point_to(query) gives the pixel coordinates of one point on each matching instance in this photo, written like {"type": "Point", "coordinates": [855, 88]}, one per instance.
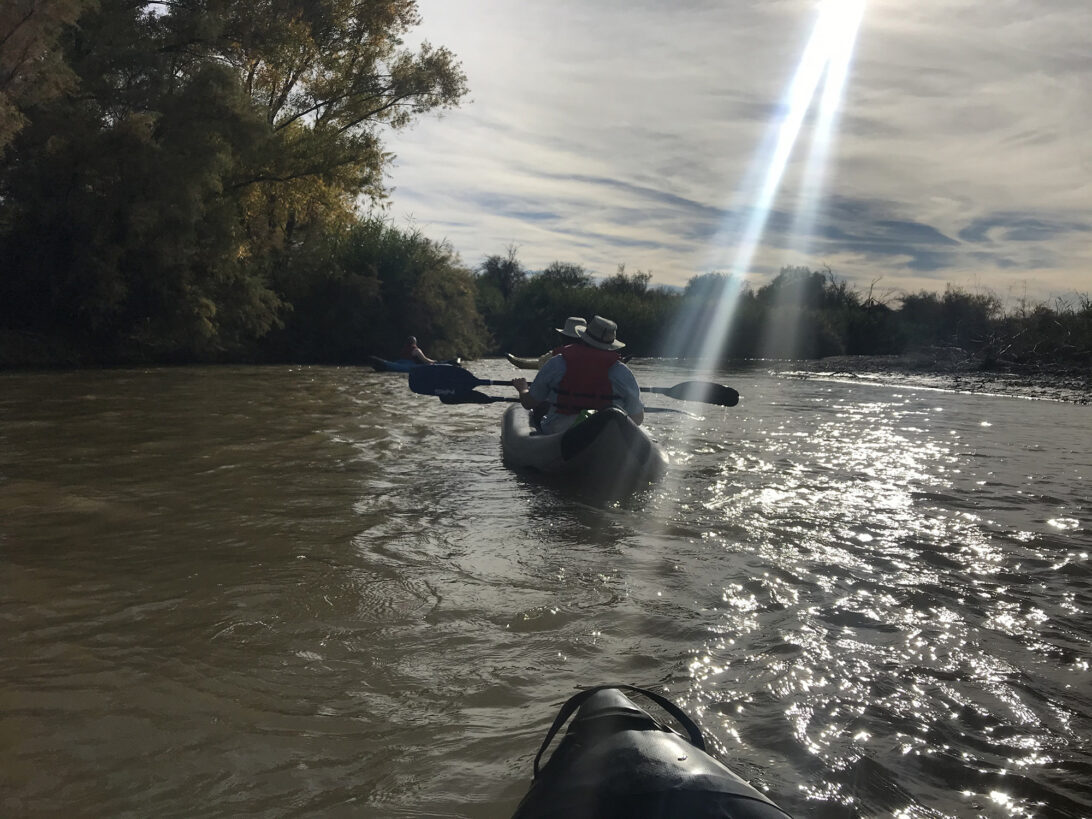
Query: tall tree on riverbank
{"type": "Point", "coordinates": [199, 148]}
{"type": "Point", "coordinates": [32, 69]}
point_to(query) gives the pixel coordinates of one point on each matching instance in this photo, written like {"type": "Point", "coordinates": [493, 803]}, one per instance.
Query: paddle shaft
{"type": "Point", "coordinates": [444, 380]}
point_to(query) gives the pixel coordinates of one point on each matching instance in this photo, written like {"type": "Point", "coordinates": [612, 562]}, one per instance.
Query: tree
{"type": "Point", "coordinates": [566, 274]}
{"type": "Point", "coordinates": [505, 273]}
{"type": "Point", "coordinates": [376, 285]}
{"type": "Point", "coordinates": [202, 147]}
{"type": "Point", "coordinates": [31, 66]}
{"type": "Point", "coordinates": [968, 317]}
{"type": "Point", "coordinates": [636, 284]}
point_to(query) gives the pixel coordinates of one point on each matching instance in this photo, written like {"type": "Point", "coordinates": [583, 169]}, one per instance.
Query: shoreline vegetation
{"type": "Point", "coordinates": [950, 370]}
{"type": "Point", "coordinates": [803, 324]}
{"type": "Point", "coordinates": [194, 184]}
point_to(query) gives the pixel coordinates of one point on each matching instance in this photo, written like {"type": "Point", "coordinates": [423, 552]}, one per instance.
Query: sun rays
{"type": "Point", "coordinates": [816, 86]}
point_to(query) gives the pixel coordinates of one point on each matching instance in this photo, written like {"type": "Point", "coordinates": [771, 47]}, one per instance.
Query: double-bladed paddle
{"type": "Point", "coordinates": [705, 391]}
{"type": "Point", "coordinates": [473, 397]}
{"type": "Point", "coordinates": [451, 384]}
{"type": "Point", "coordinates": [444, 380]}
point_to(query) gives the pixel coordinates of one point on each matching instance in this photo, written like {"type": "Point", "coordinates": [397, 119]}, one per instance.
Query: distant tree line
{"type": "Point", "coordinates": [192, 182]}
{"type": "Point", "coordinates": [800, 314]}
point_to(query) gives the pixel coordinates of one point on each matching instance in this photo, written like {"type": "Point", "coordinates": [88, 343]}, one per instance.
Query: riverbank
{"type": "Point", "coordinates": [948, 369]}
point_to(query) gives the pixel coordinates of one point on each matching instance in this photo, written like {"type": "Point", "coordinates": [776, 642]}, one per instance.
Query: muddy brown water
{"type": "Point", "coordinates": [306, 591]}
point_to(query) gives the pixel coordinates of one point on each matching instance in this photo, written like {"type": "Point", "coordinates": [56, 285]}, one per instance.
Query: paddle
{"type": "Point", "coordinates": [704, 391]}
{"type": "Point", "coordinates": [443, 380]}
{"type": "Point", "coordinates": [473, 397]}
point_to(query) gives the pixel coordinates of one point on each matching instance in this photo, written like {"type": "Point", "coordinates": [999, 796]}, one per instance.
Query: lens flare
{"type": "Point", "coordinates": [825, 61]}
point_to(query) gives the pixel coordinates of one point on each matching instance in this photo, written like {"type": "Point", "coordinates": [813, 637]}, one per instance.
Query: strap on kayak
{"type": "Point", "coordinates": [693, 731]}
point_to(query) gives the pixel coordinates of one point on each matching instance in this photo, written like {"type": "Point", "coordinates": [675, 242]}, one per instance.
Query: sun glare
{"type": "Point", "coordinates": [825, 60]}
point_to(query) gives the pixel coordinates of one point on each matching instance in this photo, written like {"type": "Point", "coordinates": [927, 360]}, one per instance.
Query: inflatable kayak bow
{"type": "Point", "coordinates": [617, 762]}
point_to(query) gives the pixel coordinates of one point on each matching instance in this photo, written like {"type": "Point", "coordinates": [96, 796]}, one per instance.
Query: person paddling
{"type": "Point", "coordinates": [411, 352]}
{"type": "Point", "coordinates": [568, 334]}
{"type": "Point", "coordinates": [587, 375]}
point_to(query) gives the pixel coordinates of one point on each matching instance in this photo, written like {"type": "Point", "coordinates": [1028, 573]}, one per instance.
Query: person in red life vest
{"type": "Point", "coordinates": [586, 375]}
{"type": "Point", "coordinates": [411, 352]}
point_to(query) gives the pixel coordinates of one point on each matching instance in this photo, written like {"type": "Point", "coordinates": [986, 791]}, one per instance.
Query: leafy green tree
{"type": "Point", "coordinates": [32, 69]}
{"type": "Point", "coordinates": [505, 273]}
{"type": "Point", "coordinates": [498, 279]}
{"type": "Point", "coordinates": [566, 274]}
{"type": "Point", "coordinates": [148, 206]}
{"type": "Point", "coordinates": [635, 284]}
{"type": "Point", "coordinates": [375, 285]}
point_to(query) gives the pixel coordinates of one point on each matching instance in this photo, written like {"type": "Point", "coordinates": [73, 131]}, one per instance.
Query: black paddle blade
{"type": "Point", "coordinates": [442, 379]}
{"type": "Point", "coordinates": [473, 397]}
{"type": "Point", "coordinates": [704, 391]}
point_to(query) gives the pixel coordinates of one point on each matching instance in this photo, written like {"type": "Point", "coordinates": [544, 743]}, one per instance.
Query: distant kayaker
{"type": "Point", "coordinates": [568, 334]}
{"type": "Point", "coordinates": [586, 375]}
{"type": "Point", "coordinates": [411, 352]}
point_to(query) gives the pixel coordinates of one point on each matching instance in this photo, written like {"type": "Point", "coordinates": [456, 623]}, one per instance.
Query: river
{"type": "Point", "coordinates": [306, 591]}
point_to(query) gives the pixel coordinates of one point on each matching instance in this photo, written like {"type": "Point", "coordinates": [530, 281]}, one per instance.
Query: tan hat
{"type": "Point", "coordinates": [573, 324]}
{"type": "Point", "coordinates": [601, 333]}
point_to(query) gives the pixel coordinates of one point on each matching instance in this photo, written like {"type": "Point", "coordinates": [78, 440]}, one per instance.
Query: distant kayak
{"type": "Point", "coordinates": [536, 363]}
{"type": "Point", "coordinates": [617, 762]}
{"type": "Point", "coordinates": [606, 453]}
{"type": "Point", "coordinates": [529, 363]}
{"type": "Point", "coordinates": [404, 365]}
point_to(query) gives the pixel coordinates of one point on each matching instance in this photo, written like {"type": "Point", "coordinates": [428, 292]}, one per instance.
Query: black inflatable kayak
{"type": "Point", "coordinates": [617, 762]}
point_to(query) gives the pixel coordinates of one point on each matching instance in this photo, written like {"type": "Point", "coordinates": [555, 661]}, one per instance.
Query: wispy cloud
{"type": "Point", "coordinates": [609, 132]}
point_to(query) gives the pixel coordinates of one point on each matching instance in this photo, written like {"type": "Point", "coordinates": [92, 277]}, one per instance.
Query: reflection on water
{"type": "Point", "coordinates": [305, 590]}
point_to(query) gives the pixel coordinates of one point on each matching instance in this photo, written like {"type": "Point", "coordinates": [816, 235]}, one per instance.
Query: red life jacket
{"type": "Point", "coordinates": [585, 384]}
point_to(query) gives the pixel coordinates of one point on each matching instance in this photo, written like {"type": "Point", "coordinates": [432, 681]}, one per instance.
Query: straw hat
{"type": "Point", "coordinates": [573, 324]}
{"type": "Point", "coordinates": [601, 333]}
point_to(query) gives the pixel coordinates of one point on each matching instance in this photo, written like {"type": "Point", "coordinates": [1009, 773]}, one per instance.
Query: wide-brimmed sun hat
{"type": "Point", "coordinates": [572, 324]}
{"type": "Point", "coordinates": [601, 333]}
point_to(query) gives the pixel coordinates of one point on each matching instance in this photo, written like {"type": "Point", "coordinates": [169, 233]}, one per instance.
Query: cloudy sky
{"type": "Point", "coordinates": [642, 132]}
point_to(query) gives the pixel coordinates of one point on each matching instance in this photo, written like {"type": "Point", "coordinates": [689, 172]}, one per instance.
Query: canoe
{"type": "Point", "coordinates": [617, 761]}
{"type": "Point", "coordinates": [607, 453]}
{"type": "Point", "coordinates": [403, 365]}
{"type": "Point", "coordinates": [529, 363]}
{"type": "Point", "coordinates": [536, 363]}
